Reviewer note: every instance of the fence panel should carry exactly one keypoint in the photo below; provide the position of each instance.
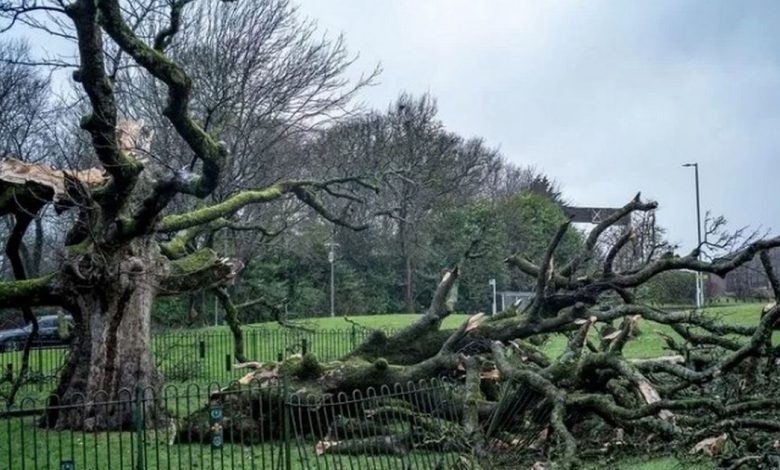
(184, 436)
(407, 426)
(256, 426)
(198, 356)
(44, 364)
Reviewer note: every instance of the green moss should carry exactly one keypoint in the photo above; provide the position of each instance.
(79, 248)
(30, 291)
(197, 261)
(7, 196)
(176, 248)
(309, 367)
(174, 223)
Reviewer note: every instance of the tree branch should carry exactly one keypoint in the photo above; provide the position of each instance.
(231, 318)
(727, 362)
(615, 250)
(771, 274)
(33, 292)
(202, 269)
(163, 38)
(301, 189)
(205, 147)
(590, 243)
(546, 271)
(102, 122)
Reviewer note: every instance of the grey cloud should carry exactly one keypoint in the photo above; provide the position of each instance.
(608, 97)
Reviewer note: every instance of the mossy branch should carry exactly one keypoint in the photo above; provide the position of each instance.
(205, 147)
(305, 191)
(39, 291)
(101, 123)
(231, 318)
(202, 269)
(177, 222)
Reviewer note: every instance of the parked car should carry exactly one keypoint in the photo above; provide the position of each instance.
(48, 334)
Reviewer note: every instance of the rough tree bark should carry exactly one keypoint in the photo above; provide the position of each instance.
(111, 350)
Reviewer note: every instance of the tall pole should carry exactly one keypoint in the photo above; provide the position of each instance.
(332, 259)
(332, 289)
(700, 295)
(492, 282)
(699, 279)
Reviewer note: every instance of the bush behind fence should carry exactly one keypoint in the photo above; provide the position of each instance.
(200, 356)
(256, 426)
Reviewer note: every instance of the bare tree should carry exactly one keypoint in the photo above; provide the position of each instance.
(129, 241)
(432, 167)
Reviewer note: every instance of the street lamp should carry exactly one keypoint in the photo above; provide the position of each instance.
(492, 282)
(332, 260)
(699, 282)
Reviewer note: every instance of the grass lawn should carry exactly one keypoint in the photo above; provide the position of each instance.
(35, 448)
(650, 343)
(661, 463)
(391, 321)
(205, 355)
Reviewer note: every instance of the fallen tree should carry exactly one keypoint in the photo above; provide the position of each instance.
(714, 393)
(129, 245)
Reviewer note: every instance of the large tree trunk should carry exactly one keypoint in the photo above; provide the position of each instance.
(110, 358)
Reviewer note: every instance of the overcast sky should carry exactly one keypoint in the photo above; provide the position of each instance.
(607, 97)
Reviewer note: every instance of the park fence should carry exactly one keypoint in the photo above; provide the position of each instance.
(200, 356)
(257, 426)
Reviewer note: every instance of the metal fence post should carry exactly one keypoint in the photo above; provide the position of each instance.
(286, 423)
(138, 423)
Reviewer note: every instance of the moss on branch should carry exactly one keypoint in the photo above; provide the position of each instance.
(174, 223)
(29, 292)
(101, 123)
(200, 270)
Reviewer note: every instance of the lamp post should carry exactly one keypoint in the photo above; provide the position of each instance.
(332, 260)
(699, 283)
(492, 282)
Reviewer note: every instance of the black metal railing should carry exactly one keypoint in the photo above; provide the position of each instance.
(257, 426)
(199, 356)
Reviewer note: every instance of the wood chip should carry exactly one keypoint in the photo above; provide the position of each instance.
(248, 365)
(323, 446)
(650, 394)
(711, 446)
(474, 321)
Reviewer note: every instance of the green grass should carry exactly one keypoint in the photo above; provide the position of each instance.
(391, 321)
(660, 463)
(182, 350)
(650, 342)
(206, 354)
